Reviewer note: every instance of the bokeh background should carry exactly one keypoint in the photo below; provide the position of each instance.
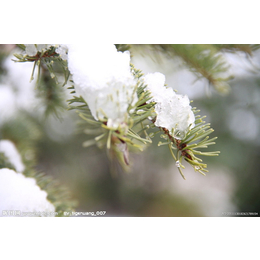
(153, 187)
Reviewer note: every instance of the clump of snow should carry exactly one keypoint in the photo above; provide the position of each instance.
(173, 110)
(62, 50)
(10, 151)
(103, 78)
(19, 193)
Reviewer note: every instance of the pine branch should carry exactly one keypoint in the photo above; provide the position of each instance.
(203, 60)
(233, 48)
(187, 148)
